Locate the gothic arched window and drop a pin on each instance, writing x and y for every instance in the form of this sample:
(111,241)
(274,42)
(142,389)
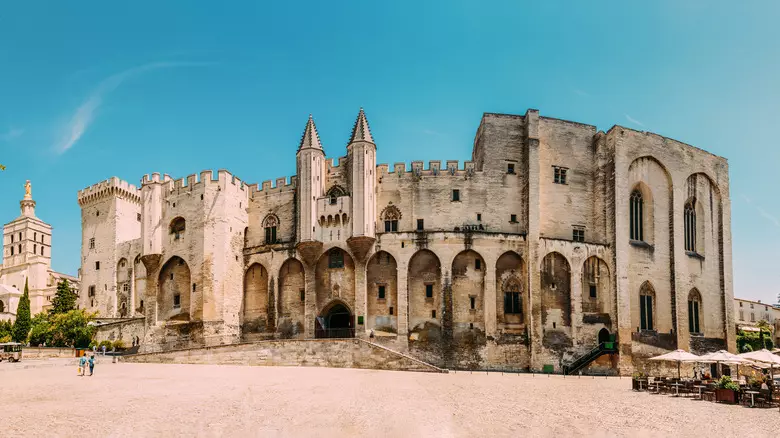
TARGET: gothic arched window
(646,309)
(636,215)
(334,193)
(270,223)
(391,215)
(513,298)
(177,227)
(694,312)
(690,226)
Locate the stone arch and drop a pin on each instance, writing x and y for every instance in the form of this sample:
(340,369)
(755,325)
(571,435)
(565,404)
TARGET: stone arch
(641,213)
(596,286)
(173,295)
(390,217)
(512,304)
(556,292)
(468,291)
(291,303)
(336,320)
(334,277)
(603,335)
(271,228)
(124,280)
(695,311)
(139,283)
(693,226)
(335,192)
(254,306)
(177,227)
(382,291)
(646,314)
(424,289)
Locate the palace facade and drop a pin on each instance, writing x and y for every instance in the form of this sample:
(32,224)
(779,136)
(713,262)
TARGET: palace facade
(553,239)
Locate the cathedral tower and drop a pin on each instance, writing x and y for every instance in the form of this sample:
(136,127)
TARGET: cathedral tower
(362,158)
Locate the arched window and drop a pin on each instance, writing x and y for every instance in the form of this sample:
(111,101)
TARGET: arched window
(334,193)
(646,309)
(336,258)
(694,312)
(690,226)
(513,298)
(35,248)
(391,215)
(270,223)
(2,307)
(636,215)
(177,227)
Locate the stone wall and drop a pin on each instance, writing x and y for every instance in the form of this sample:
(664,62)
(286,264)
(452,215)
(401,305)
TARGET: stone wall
(353,353)
(47,352)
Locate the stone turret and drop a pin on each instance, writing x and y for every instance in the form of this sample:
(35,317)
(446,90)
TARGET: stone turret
(311,176)
(362,158)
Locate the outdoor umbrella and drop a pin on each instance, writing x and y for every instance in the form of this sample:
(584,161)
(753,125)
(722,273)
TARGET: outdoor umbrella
(677,356)
(764,357)
(723,356)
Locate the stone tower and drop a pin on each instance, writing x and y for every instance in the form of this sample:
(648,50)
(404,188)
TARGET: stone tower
(362,158)
(311,176)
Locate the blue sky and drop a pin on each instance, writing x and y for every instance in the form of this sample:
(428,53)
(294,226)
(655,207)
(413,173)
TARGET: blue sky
(90,90)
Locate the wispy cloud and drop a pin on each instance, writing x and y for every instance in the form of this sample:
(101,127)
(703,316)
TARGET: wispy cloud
(634,121)
(765,214)
(11,134)
(85,114)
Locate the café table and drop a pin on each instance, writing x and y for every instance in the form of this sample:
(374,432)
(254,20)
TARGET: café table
(752,399)
(700,388)
(677,388)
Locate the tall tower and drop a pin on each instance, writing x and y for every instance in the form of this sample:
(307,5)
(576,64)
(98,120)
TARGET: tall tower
(362,158)
(311,184)
(27,251)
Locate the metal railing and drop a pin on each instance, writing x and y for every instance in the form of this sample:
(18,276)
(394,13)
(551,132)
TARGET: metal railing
(334,333)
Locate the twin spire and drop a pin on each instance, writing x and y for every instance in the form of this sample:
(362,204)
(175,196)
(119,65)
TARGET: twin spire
(360,132)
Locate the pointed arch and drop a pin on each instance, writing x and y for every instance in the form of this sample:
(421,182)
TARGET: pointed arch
(334,193)
(335,277)
(695,325)
(139,284)
(253,317)
(270,225)
(647,306)
(511,292)
(468,290)
(596,286)
(177,227)
(292,298)
(390,215)
(556,291)
(382,291)
(424,289)
(173,296)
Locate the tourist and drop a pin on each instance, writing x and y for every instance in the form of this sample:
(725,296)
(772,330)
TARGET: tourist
(91,364)
(82,364)
(104,349)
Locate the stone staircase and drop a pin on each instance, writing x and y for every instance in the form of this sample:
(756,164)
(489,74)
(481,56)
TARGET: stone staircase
(335,353)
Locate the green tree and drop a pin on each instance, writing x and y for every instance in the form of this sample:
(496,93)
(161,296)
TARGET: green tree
(6,331)
(41,332)
(23,323)
(64,300)
(72,329)
(763,326)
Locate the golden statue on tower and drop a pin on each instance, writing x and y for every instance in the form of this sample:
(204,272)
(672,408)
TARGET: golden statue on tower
(27,190)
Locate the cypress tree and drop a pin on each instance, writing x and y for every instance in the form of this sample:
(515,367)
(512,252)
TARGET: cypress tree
(23,321)
(65,299)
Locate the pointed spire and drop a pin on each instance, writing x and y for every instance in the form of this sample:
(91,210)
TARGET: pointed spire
(310,139)
(361,132)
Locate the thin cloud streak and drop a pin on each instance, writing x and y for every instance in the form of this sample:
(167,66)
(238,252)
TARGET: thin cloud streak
(11,134)
(634,121)
(85,114)
(765,214)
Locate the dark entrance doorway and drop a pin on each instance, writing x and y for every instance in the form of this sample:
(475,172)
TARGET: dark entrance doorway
(336,321)
(603,336)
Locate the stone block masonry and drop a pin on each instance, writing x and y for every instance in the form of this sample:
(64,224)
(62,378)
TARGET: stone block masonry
(551,238)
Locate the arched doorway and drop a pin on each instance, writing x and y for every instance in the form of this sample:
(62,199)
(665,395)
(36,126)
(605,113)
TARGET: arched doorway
(603,335)
(335,321)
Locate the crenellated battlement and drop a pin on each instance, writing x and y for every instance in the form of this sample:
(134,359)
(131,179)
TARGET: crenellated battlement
(110,187)
(193,181)
(336,163)
(279,185)
(434,168)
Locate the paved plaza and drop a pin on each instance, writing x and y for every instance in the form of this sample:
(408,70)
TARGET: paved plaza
(49,399)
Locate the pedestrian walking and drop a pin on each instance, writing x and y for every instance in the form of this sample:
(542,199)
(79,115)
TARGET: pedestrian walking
(91,364)
(104,349)
(82,364)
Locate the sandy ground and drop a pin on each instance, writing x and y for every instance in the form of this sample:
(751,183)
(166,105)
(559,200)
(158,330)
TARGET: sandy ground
(204,401)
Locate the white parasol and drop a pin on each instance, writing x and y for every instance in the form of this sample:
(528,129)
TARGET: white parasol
(677,356)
